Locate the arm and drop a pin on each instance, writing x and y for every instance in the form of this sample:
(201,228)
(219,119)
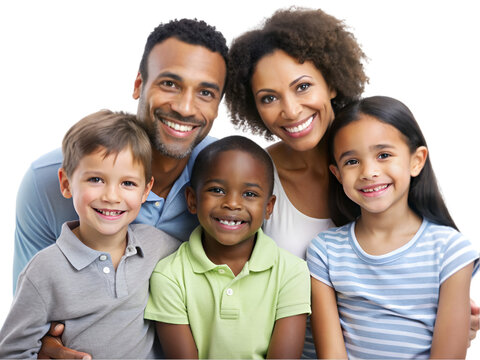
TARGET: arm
(288,338)
(450,335)
(474,320)
(326,329)
(177,341)
(52,346)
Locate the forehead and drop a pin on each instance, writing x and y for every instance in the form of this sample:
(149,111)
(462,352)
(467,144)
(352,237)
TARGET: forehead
(279,68)
(193,63)
(236,165)
(365,132)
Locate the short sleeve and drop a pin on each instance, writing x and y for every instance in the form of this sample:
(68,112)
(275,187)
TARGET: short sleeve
(294,296)
(458,253)
(317,260)
(166,301)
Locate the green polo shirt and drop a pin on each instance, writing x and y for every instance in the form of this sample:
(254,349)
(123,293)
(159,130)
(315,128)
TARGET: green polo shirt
(230,316)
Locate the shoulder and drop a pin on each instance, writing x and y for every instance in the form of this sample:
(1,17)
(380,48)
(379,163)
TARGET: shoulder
(39,268)
(176,263)
(153,240)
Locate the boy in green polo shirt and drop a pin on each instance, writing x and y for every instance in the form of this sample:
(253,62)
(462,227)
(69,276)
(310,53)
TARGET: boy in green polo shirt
(230,292)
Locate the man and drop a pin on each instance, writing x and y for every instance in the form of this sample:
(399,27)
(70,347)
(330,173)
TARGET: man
(179,86)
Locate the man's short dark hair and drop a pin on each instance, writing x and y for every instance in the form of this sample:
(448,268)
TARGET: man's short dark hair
(190,31)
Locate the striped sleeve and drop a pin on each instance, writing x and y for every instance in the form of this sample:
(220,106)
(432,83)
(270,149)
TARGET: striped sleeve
(317,259)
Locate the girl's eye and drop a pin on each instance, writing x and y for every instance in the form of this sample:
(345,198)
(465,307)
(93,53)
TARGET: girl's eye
(249,194)
(129,183)
(303,87)
(267,99)
(351,162)
(95,180)
(384,156)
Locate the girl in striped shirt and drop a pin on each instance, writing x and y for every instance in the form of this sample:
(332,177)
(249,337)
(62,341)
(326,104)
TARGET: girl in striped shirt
(397,269)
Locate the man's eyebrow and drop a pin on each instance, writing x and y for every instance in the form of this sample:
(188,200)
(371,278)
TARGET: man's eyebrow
(210,85)
(170,75)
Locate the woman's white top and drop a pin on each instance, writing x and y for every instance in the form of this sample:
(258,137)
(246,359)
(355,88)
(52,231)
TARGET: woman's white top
(288,227)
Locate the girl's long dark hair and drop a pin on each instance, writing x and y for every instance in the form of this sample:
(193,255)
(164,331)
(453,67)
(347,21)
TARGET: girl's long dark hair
(424,196)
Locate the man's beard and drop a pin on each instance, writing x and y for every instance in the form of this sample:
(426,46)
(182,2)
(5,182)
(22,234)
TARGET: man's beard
(176,152)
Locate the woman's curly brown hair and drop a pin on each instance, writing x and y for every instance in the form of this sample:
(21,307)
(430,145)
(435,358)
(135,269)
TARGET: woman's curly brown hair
(306,35)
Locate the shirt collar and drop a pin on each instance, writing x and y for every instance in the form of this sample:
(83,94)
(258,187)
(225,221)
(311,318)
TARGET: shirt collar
(262,258)
(80,255)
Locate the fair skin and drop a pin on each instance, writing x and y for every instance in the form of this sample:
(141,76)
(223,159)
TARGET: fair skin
(107,194)
(231,202)
(374,165)
(180,100)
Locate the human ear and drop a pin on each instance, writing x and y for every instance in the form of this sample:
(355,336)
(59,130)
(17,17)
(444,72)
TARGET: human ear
(269,207)
(148,187)
(191,200)
(137,88)
(333,93)
(335,172)
(64,183)
(417,160)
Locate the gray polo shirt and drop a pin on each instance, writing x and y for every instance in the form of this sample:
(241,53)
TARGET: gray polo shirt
(102,308)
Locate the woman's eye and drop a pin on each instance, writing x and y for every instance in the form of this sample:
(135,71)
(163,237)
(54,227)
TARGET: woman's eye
(268,99)
(303,86)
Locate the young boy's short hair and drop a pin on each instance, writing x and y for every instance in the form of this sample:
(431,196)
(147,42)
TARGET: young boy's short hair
(234,142)
(110,131)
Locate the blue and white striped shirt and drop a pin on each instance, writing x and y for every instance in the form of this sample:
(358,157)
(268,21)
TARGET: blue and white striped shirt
(388,303)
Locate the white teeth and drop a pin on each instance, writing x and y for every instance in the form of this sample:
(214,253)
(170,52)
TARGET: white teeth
(229,223)
(109,212)
(178,127)
(300,127)
(378,188)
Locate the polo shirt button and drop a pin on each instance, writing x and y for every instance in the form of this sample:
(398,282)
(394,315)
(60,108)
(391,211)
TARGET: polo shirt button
(106,270)
(229,292)
(221,271)
(157,203)
(103,257)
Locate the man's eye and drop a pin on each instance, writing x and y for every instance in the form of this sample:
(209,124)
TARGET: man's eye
(207,93)
(267,99)
(168,83)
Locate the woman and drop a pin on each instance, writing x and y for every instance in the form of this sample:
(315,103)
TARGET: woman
(288,79)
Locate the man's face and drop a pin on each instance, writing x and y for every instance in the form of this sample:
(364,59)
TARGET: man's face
(180,98)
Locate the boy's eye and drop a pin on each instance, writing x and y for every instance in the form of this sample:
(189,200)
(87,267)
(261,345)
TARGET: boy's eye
(95,180)
(249,194)
(351,162)
(384,156)
(216,190)
(267,99)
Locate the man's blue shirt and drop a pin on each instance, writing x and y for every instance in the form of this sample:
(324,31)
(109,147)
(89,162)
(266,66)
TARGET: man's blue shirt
(41,209)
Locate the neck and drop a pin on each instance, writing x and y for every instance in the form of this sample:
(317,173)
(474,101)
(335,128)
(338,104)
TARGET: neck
(166,171)
(113,244)
(234,256)
(285,156)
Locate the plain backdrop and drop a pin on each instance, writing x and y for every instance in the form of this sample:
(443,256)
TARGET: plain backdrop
(62,60)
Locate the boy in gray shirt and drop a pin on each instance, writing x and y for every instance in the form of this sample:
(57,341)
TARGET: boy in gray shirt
(101,262)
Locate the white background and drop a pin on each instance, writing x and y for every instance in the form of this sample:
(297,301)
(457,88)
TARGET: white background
(62,60)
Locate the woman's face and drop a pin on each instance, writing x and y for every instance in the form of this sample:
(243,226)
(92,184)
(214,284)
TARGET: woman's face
(292,99)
